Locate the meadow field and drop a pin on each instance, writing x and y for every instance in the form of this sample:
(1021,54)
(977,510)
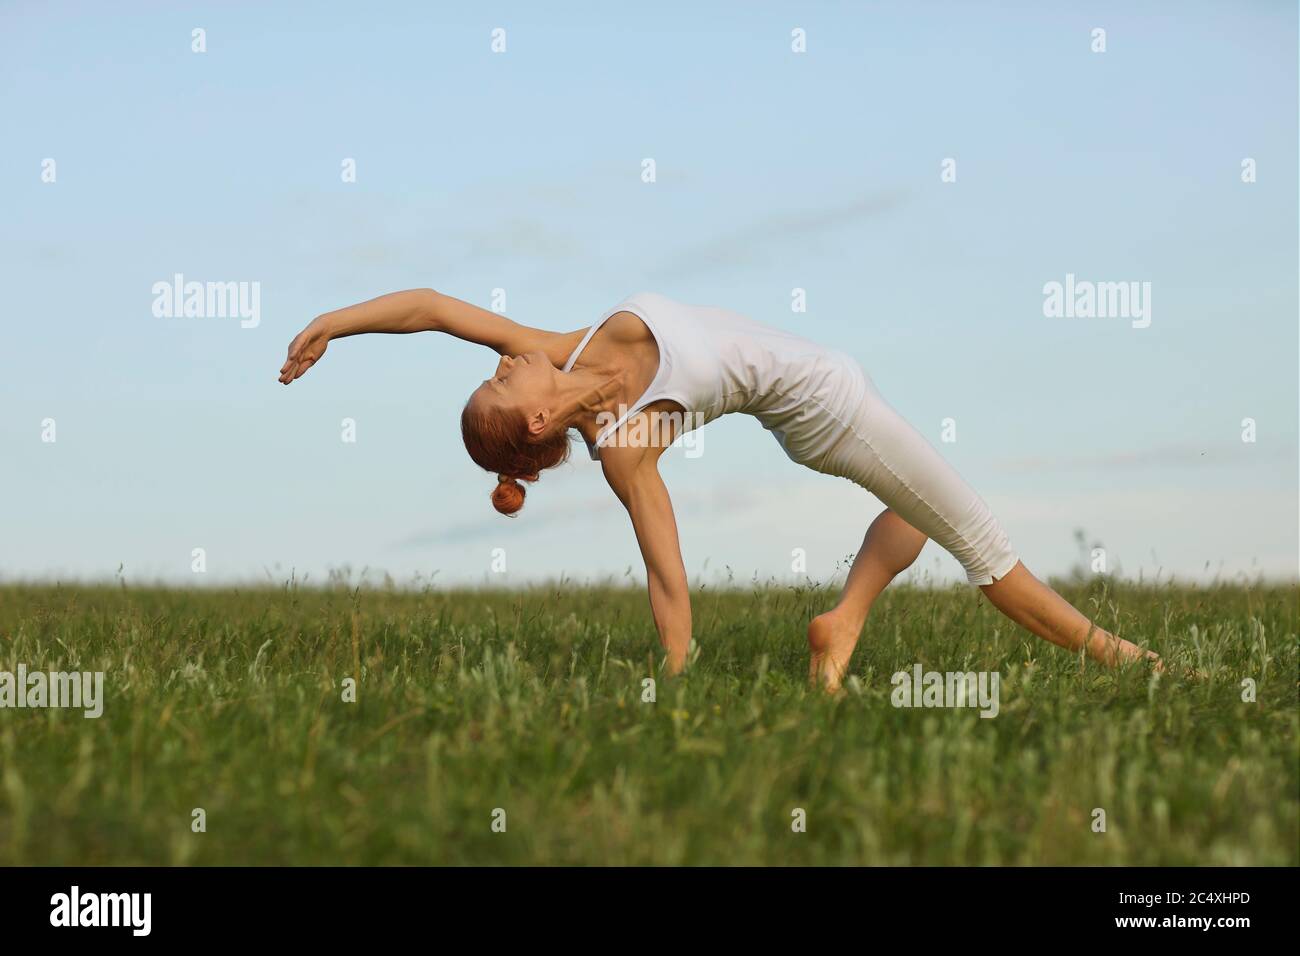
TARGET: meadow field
(528,710)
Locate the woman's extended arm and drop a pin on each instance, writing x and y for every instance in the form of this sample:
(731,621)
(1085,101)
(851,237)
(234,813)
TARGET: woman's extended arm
(415,310)
(633,474)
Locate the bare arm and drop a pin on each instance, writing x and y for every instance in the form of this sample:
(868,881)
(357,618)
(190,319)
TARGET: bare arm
(633,474)
(415,310)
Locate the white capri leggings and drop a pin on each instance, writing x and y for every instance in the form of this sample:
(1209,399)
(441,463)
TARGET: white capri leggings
(884,454)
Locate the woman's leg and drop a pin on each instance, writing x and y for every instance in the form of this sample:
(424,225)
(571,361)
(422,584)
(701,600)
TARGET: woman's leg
(890,547)
(1038,609)
(926,498)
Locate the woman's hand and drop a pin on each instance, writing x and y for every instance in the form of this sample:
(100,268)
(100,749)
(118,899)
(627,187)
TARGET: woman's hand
(305,350)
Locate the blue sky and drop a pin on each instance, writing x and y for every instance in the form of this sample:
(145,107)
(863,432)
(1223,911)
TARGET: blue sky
(522,171)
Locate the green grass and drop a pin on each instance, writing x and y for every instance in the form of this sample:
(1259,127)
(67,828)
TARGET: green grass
(530,701)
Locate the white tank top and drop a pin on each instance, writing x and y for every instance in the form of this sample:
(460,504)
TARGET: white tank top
(713,362)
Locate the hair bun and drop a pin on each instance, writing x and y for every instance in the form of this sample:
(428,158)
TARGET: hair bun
(508,495)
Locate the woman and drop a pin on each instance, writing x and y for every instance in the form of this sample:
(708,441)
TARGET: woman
(650,361)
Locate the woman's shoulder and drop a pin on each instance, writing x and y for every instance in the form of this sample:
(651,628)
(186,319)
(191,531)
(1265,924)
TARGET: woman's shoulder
(626,327)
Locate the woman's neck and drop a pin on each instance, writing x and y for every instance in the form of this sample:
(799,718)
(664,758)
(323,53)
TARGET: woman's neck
(589,393)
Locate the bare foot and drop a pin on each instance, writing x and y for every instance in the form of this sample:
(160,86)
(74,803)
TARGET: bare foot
(831,641)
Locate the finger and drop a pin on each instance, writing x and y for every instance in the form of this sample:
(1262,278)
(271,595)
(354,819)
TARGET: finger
(295,353)
(302,368)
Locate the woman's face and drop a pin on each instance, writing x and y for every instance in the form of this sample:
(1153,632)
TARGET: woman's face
(522,382)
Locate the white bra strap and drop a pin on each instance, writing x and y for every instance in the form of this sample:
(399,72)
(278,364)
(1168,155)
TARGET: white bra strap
(568,366)
(653,393)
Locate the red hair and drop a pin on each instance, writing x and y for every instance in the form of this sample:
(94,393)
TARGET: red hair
(498,440)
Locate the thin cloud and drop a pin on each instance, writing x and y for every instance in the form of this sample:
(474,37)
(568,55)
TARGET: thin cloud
(757,242)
